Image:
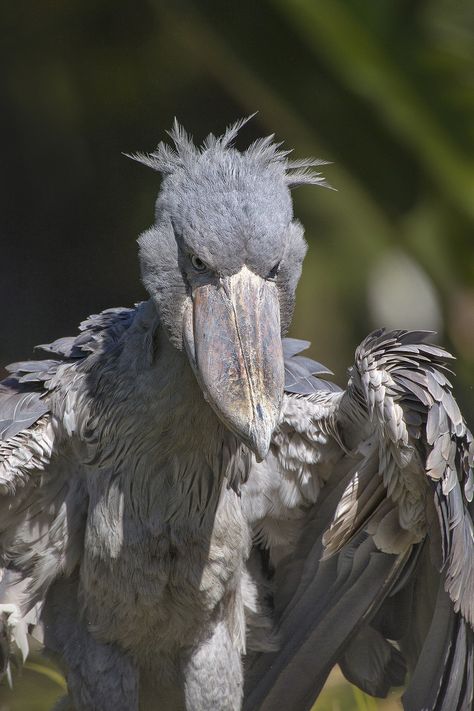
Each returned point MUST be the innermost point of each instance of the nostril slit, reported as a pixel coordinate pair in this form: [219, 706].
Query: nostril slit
[273, 273]
[259, 411]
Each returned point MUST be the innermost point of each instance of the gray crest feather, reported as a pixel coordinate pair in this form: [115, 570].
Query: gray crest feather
[167, 159]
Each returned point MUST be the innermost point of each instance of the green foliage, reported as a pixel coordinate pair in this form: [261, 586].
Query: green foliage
[338, 695]
[37, 687]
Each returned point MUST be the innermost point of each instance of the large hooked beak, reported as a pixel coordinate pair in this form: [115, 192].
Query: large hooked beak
[233, 340]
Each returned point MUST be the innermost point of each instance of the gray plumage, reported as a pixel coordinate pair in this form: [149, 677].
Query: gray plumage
[380, 578]
[175, 466]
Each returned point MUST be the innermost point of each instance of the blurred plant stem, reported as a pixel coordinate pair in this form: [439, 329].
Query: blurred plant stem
[49, 672]
[332, 28]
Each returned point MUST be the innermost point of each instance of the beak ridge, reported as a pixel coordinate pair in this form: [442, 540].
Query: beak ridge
[237, 351]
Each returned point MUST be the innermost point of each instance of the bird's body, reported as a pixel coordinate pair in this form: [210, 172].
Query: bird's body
[176, 466]
[160, 538]
[153, 528]
[169, 563]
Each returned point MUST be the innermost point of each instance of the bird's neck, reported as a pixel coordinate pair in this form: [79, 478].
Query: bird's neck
[203, 456]
[179, 456]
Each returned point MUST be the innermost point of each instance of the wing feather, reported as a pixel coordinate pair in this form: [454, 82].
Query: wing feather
[400, 470]
[41, 501]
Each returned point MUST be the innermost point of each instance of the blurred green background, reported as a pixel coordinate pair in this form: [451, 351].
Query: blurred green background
[384, 89]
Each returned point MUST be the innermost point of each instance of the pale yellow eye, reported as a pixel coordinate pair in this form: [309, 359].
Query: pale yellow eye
[198, 264]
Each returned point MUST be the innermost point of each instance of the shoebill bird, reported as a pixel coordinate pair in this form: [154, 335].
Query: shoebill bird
[180, 488]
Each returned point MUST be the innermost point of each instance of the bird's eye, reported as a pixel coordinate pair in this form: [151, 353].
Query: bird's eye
[273, 273]
[198, 264]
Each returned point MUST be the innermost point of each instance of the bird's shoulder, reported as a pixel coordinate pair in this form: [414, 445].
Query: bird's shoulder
[26, 392]
[304, 376]
[98, 333]
[310, 403]
[42, 502]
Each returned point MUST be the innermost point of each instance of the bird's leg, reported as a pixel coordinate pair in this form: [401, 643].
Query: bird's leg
[213, 673]
[100, 677]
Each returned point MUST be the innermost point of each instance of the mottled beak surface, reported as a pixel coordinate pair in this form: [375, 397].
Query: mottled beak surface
[235, 344]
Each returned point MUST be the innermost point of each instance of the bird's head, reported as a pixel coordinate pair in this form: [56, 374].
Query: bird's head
[222, 263]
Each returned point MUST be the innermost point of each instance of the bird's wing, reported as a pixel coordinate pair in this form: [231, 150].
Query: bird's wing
[42, 501]
[381, 576]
